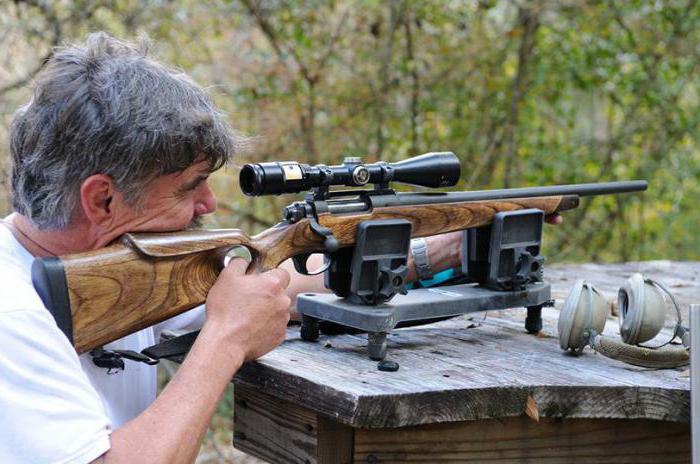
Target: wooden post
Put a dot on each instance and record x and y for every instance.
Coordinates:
(281, 431)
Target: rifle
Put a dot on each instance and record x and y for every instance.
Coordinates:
(141, 279)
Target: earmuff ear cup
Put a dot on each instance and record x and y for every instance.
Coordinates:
(585, 311)
(642, 310)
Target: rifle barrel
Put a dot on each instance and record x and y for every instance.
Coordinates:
(603, 188)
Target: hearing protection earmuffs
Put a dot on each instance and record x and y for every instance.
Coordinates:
(642, 308)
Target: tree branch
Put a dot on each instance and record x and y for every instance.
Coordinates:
(272, 37)
(56, 36)
(528, 19)
(396, 11)
(415, 82)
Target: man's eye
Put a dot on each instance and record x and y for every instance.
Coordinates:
(190, 186)
(195, 184)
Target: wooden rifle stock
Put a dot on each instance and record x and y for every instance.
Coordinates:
(142, 279)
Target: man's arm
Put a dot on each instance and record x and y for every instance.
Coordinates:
(246, 317)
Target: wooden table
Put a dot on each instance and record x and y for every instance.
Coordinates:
(473, 389)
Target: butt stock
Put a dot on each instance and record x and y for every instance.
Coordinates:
(102, 295)
(116, 291)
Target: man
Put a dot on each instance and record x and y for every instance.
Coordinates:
(114, 142)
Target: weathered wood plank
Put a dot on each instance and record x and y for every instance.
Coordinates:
(280, 431)
(522, 440)
(481, 368)
(273, 430)
(335, 442)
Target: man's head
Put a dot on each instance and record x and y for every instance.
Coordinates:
(106, 124)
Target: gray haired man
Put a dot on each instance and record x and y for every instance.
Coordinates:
(114, 142)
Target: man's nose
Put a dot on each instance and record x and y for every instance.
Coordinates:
(206, 201)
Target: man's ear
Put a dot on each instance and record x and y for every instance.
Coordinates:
(97, 199)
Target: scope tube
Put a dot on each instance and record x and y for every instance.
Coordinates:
(440, 169)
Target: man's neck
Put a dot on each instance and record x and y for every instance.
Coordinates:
(43, 243)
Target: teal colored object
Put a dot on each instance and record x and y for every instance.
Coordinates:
(437, 279)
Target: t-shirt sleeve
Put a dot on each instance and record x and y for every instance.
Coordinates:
(49, 410)
(187, 321)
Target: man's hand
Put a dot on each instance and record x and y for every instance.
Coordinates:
(251, 310)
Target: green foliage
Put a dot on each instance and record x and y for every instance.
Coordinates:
(526, 93)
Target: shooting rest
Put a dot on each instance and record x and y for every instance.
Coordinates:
(502, 265)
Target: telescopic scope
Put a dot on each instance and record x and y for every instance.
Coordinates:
(440, 169)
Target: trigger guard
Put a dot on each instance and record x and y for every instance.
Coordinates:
(300, 264)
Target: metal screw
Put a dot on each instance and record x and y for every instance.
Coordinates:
(360, 175)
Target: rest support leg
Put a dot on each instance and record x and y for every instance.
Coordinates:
(376, 345)
(533, 321)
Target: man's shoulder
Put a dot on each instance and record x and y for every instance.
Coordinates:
(15, 277)
(18, 296)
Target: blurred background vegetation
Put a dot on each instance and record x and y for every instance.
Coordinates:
(525, 92)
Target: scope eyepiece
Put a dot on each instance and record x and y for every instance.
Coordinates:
(440, 169)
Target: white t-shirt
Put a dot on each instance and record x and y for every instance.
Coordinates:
(56, 406)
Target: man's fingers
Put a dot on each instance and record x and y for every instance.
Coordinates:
(554, 219)
(280, 275)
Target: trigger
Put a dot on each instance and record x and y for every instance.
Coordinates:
(300, 263)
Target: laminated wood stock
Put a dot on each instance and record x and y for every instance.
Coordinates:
(146, 278)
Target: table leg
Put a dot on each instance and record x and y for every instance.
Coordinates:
(281, 431)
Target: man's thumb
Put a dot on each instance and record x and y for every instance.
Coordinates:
(237, 265)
